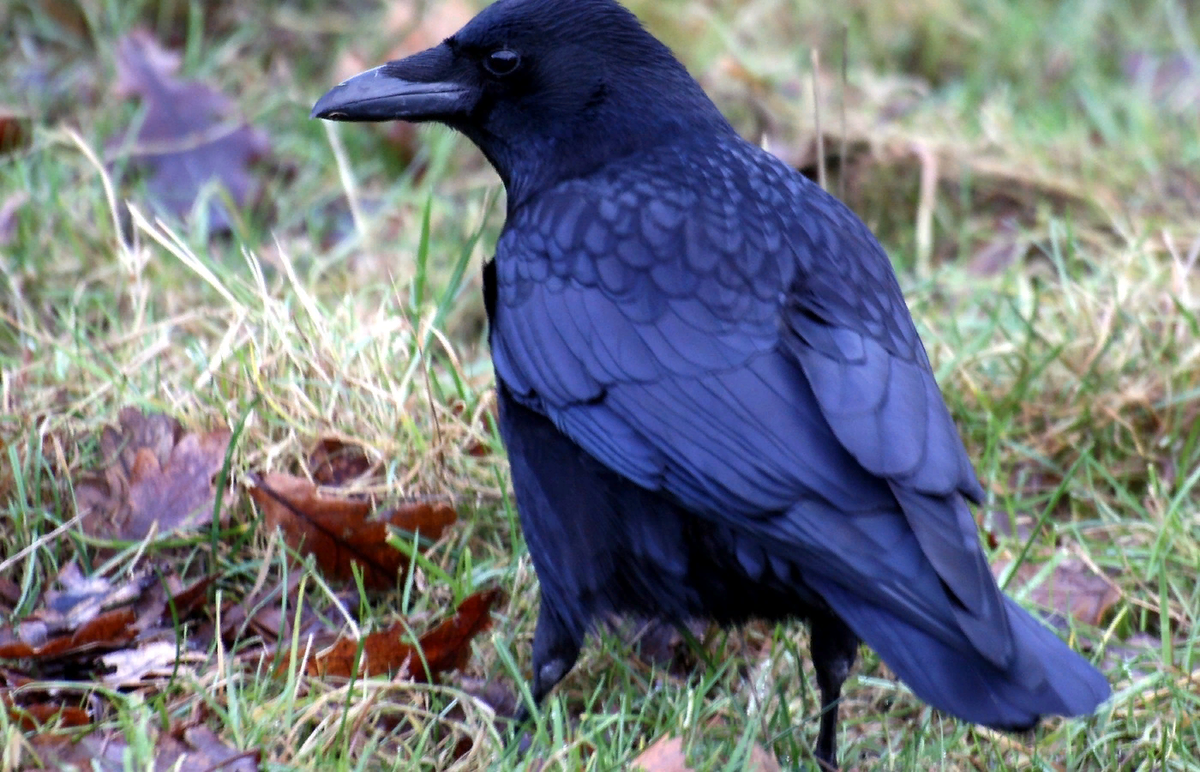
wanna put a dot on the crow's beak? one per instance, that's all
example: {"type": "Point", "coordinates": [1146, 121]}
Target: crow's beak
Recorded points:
{"type": "Point", "coordinates": [401, 90]}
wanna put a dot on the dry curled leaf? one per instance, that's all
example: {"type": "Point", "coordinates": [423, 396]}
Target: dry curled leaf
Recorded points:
{"type": "Point", "coordinates": [156, 478]}
{"type": "Point", "coordinates": [341, 533]}
{"type": "Point", "coordinates": [443, 649]}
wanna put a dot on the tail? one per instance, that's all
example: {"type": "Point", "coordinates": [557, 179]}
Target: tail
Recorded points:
{"type": "Point", "coordinates": [1045, 677]}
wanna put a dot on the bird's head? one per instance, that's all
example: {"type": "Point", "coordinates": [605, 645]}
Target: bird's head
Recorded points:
{"type": "Point", "coordinates": [548, 89]}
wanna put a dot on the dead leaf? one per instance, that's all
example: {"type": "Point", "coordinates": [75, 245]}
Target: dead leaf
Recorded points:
{"type": "Point", "coordinates": [266, 614]}
{"type": "Point", "coordinates": [106, 632]}
{"type": "Point", "coordinates": [37, 716]}
{"type": "Point", "coordinates": [667, 755]}
{"type": "Point", "coordinates": [76, 599]}
{"type": "Point", "coordinates": [87, 625]}
{"type": "Point", "coordinates": [340, 533]}
{"type": "Point", "coordinates": [33, 716]}
{"type": "Point", "coordinates": [500, 695]}
{"type": "Point", "coordinates": [100, 751]}
{"type": "Point", "coordinates": [71, 603]}
{"type": "Point", "coordinates": [185, 601]}
{"type": "Point", "coordinates": [195, 749]}
{"type": "Point", "coordinates": [127, 667]}
{"type": "Point", "coordinates": [1072, 589]}
{"type": "Point", "coordinates": [156, 478]}
{"type": "Point", "coordinates": [334, 463]}
{"type": "Point", "coordinates": [94, 629]}
{"type": "Point", "coordinates": [663, 644]}
{"type": "Point", "coordinates": [447, 646]}
{"type": "Point", "coordinates": [10, 595]}
{"type": "Point", "coordinates": [191, 136]}
{"type": "Point", "coordinates": [16, 131]}
{"type": "Point", "coordinates": [166, 602]}
{"type": "Point", "coordinates": [441, 650]}
{"type": "Point", "coordinates": [199, 748]}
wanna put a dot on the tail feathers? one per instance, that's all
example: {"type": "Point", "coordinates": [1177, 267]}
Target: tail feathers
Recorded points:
{"type": "Point", "coordinates": [1045, 678]}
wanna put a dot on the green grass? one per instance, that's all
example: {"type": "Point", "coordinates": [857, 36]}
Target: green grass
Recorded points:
{"type": "Point", "coordinates": [349, 305]}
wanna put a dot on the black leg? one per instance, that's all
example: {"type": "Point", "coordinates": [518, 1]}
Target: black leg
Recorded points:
{"type": "Point", "coordinates": [834, 649]}
{"type": "Point", "coordinates": [555, 652]}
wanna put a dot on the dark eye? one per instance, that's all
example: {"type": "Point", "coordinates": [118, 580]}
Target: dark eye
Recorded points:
{"type": "Point", "coordinates": [502, 62]}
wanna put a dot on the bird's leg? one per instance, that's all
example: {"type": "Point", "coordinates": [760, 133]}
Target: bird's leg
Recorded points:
{"type": "Point", "coordinates": [555, 651]}
{"type": "Point", "coordinates": [834, 648]}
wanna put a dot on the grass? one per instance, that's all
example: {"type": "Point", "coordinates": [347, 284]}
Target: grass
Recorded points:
{"type": "Point", "coordinates": [347, 304]}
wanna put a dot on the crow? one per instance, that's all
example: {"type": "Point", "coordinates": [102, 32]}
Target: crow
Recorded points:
{"type": "Point", "coordinates": [713, 397]}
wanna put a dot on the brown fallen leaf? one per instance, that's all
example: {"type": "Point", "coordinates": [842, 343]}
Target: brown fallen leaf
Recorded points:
{"type": "Point", "coordinates": [110, 630]}
{"type": "Point", "coordinates": [441, 650]}
{"type": "Point", "coordinates": [663, 644]}
{"type": "Point", "coordinates": [16, 131]}
{"type": "Point", "coordinates": [94, 629]}
{"type": "Point", "coordinates": [156, 478]}
{"type": "Point", "coordinates": [68, 614]}
{"type": "Point", "coordinates": [43, 714]}
{"type": "Point", "coordinates": [190, 137]}
{"type": "Point", "coordinates": [35, 716]}
{"type": "Point", "coordinates": [667, 755]}
{"type": "Point", "coordinates": [1072, 589]}
{"type": "Point", "coordinates": [340, 533]}
{"type": "Point", "coordinates": [185, 601]}
{"type": "Point", "coordinates": [334, 463]}
{"type": "Point", "coordinates": [166, 603]}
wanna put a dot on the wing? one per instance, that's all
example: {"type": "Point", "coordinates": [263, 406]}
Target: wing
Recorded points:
{"type": "Point", "coordinates": [739, 341]}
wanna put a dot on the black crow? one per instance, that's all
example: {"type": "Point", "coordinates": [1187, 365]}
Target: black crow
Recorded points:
{"type": "Point", "coordinates": [714, 399]}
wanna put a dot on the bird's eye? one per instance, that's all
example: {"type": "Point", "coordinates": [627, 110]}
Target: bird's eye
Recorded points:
{"type": "Point", "coordinates": [502, 62]}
